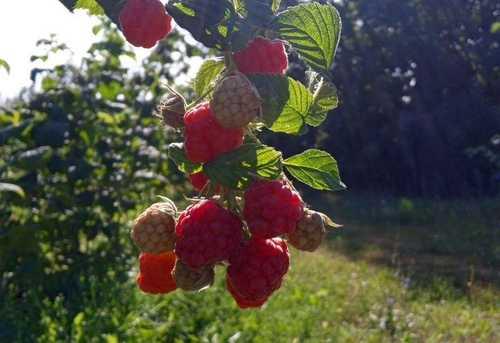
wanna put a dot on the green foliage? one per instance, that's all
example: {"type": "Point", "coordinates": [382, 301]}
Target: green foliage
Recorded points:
{"type": "Point", "coordinates": [210, 22]}
{"type": "Point", "coordinates": [9, 187]}
{"type": "Point", "coordinates": [177, 153]}
{"type": "Point", "coordinates": [316, 169]}
{"type": "Point", "coordinates": [91, 5]}
{"type": "Point", "coordinates": [83, 152]}
{"type": "Point", "coordinates": [237, 169]}
{"type": "Point", "coordinates": [286, 102]}
{"type": "Point", "coordinates": [325, 100]}
{"type": "Point", "coordinates": [314, 31]}
{"type": "Point", "coordinates": [495, 27]}
{"type": "Point", "coordinates": [206, 76]}
{"type": "Point", "coordinates": [4, 65]}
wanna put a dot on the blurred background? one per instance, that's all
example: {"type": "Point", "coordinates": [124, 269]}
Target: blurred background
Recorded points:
{"type": "Point", "coordinates": [417, 138]}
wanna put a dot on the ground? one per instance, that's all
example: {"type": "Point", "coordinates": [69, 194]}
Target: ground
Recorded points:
{"type": "Point", "coordinates": [399, 270]}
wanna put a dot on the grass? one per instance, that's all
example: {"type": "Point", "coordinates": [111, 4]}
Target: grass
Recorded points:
{"type": "Point", "coordinates": [327, 297]}
{"type": "Point", "coordinates": [400, 270]}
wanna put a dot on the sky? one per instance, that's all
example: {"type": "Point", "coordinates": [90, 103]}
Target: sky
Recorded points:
{"type": "Point", "coordinates": [23, 23]}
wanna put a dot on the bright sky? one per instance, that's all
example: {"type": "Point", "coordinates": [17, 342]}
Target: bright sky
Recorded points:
{"type": "Point", "coordinates": [23, 23]}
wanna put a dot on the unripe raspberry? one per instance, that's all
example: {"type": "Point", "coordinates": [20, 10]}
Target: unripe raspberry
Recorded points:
{"type": "Point", "coordinates": [272, 208]}
{"type": "Point", "coordinates": [192, 280]}
{"type": "Point", "coordinates": [207, 234]}
{"type": "Point", "coordinates": [172, 109]}
{"type": "Point", "coordinates": [262, 56]}
{"type": "Point", "coordinates": [199, 181]}
{"type": "Point", "coordinates": [205, 138]}
{"type": "Point", "coordinates": [154, 229]}
{"type": "Point", "coordinates": [155, 273]}
{"type": "Point", "coordinates": [144, 22]}
{"type": "Point", "coordinates": [309, 233]}
{"type": "Point", "coordinates": [235, 101]}
{"type": "Point", "coordinates": [257, 270]}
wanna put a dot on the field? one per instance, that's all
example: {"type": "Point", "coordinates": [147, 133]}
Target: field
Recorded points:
{"type": "Point", "coordinates": [399, 270]}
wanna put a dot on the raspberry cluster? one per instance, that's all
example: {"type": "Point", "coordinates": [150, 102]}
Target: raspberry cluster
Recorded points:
{"type": "Point", "coordinates": [246, 231]}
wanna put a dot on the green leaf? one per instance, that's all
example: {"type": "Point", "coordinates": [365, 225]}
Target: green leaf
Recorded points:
{"type": "Point", "coordinates": [238, 168]}
{"type": "Point", "coordinates": [314, 31]}
{"type": "Point", "coordinates": [210, 22]}
{"type": "Point", "coordinates": [206, 76]}
{"type": "Point", "coordinates": [9, 187]}
{"type": "Point", "coordinates": [325, 99]}
{"type": "Point", "coordinates": [5, 65]}
{"type": "Point", "coordinates": [178, 155]}
{"type": "Point", "coordinates": [276, 5]}
{"type": "Point", "coordinates": [495, 27]}
{"type": "Point", "coordinates": [91, 5]}
{"type": "Point", "coordinates": [33, 159]}
{"type": "Point", "coordinates": [286, 102]}
{"type": "Point", "coordinates": [259, 12]}
{"type": "Point", "coordinates": [315, 168]}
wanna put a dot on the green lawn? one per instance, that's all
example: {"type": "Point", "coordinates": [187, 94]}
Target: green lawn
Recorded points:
{"type": "Point", "coordinates": [384, 276]}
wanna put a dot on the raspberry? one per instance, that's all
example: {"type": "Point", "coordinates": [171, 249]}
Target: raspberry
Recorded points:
{"type": "Point", "coordinates": [144, 22]}
{"type": "Point", "coordinates": [242, 302]}
{"type": "Point", "coordinates": [192, 280]}
{"type": "Point", "coordinates": [272, 208]}
{"type": "Point", "coordinates": [235, 102]}
{"type": "Point", "coordinates": [205, 139]}
{"type": "Point", "coordinates": [262, 56]}
{"type": "Point", "coordinates": [199, 181]}
{"type": "Point", "coordinates": [154, 229]}
{"type": "Point", "coordinates": [309, 232]}
{"type": "Point", "coordinates": [155, 273]}
{"type": "Point", "coordinates": [257, 270]}
{"type": "Point", "coordinates": [207, 234]}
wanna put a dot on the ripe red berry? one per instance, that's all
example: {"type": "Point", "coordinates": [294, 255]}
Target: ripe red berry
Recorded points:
{"type": "Point", "coordinates": [262, 56]}
{"type": "Point", "coordinates": [155, 273]}
{"type": "Point", "coordinates": [240, 300]}
{"type": "Point", "coordinates": [207, 234]}
{"type": "Point", "coordinates": [199, 181]}
{"type": "Point", "coordinates": [145, 22]}
{"type": "Point", "coordinates": [272, 208]}
{"type": "Point", "coordinates": [256, 270]}
{"type": "Point", "coordinates": [205, 138]}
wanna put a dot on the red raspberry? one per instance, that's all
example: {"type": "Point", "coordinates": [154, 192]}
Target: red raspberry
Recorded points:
{"type": "Point", "coordinates": [207, 234]}
{"type": "Point", "coordinates": [262, 56]}
{"type": "Point", "coordinates": [242, 302]}
{"type": "Point", "coordinates": [155, 273]}
{"type": "Point", "coordinates": [257, 270]}
{"type": "Point", "coordinates": [199, 181]}
{"type": "Point", "coordinates": [272, 208]}
{"type": "Point", "coordinates": [145, 22]}
{"type": "Point", "coordinates": [205, 138]}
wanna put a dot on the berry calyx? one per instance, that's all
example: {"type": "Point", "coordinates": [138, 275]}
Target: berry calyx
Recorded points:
{"type": "Point", "coordinates": [144, 22]}
{"type": "Point", "coordinates": [154, 230]}
{"type": "Point", "coordinates": [172, 109]}
{"type": "Point", "coordinates": [155, 273]}
{"type": "Point", "coordinates": [256, 270]}
{"type": "Point", "coordinates": [262, 56]}
{"type": "Point", "coordinates": [235, 101]}
{"type": "Point", "coordinates": [207, 234]}
{"type": "Point", "coordinates": [272, 208]}
{"type": "Point", "coordinates": [205, 139]}
{"type": "Point", "coordinates": [309, 233]}
{"type": "Point", "coordinates": [192, 280]}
